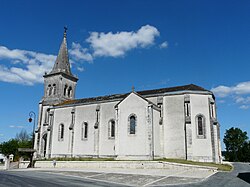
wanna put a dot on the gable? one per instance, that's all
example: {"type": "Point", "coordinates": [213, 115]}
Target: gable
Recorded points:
{"type": "Point", "coordinates": [133, 99]}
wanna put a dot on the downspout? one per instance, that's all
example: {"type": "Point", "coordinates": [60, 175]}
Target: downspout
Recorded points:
{"type": "Point", "coordinates": [152, 121]}
{"type": "Point", "coordinates": [185, 131]}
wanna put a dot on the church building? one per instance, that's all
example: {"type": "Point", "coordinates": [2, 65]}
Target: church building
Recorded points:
{"type": "Point", "coordinates": [175, 122]}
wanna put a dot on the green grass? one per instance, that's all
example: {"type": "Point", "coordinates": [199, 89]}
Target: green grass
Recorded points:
{"type": "Point", "coordinates": [221, 167]}
{"type": "Point", "coordinates": [78, 159]}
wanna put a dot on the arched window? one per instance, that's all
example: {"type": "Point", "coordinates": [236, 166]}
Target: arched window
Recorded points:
{"type": "Point", "coordinates": [65, 90]}
{"type": "Point", "coordinates": [84, 130]}
{"type": "Point", "coordinates": [61, 132]}
{"type": "Point", "coordinates": [200, 123]}
{"type": "Point", "coordinates": [111, 128]}
{"type": "Point", "coordinates": [132, 124]}
{"type": "Point", "coordinates": [69, 91]}
{"type": "Point", "coordinates": [48, 90]}
{"type": "Point", "coordinates": [54, 89]}
{"type": "Point", "coordinates": [200, 128]}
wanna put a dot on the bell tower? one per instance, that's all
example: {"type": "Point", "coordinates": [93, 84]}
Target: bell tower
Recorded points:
{"type": "Point", "coordinates": [60, 83]}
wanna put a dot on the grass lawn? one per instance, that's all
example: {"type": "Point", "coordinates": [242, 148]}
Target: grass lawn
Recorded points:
{"type": "Point", "coordinates": [78, 159]}
{"type": "Point", "coordinates": [221, 167]}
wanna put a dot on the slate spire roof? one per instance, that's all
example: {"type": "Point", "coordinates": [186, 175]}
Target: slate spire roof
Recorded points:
{"type": "Point", "coordinates": [62, 60]}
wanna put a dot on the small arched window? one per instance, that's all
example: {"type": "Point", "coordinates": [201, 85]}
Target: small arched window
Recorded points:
{"type": "Point", "coordinates": [54, 89]}
{"type": "Point", "coordinates": [84, 130]}
{"type": "Point", "coordinates": [61, 132]}
{"type": "Point", "coordinates": [132, 124]}
{"type": "Point", "coordinates": [200, 123]}
{"type": "Point", "coordinates": [69, 91]}
{"type": "Point", "coordinates": [48, 90]}
{"type": "Point", "coordinates": [111, 128]}
{"type": "Point", "coordinates": [65, 90]}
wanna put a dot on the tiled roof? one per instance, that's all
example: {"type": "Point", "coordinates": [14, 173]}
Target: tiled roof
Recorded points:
{"type": "Point", "coordinates": [190, 87]}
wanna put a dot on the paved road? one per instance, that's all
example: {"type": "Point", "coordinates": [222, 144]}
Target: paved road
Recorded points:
{"type": "Point", "coordinates": [44, 179]}
{"type": "Point", "coordinates": [240, 177]}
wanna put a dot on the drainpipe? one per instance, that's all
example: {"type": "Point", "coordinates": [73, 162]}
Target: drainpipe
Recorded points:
{"type": "Point", "coordinates": [185, 131]}
{"type": "Point", "coordinates": [152, 121]}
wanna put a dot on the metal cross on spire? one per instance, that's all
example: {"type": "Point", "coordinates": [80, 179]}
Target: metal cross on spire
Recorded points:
{"type": "Point", "coordinates": [65, 31]}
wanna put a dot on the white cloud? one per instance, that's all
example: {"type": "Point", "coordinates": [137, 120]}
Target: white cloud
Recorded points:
{"type": "Point", "coordinates": [221, 91]}
{"type": "Point", "coordinates": [16, 126]}
{"type": "Point", "coordinates": [117, 44]}
{"type": "Point", "coordinates": [164, 45]}
{"type": "Point", "coordinates": [244, 107]}
{"type": "Point", "coordinates": [239, 89]}
{"type": "Point", "coordinates": [239, 93]}
{"type": "Point", "coordinates": [242, 100]}
{"type": "Point", "coordinates": [81, 69]}
{"type": "Point", "coordinates": [79, 53]}
{"type": "Point", "coordinates": [28, 67]}
{"type": "Point", "coordinates": [221, 101]}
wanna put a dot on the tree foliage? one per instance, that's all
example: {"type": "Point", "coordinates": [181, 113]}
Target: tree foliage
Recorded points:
{"type": "Point", "coordinates": [237, 146]}
{"type": "Point", "coordinates": [9, 147]}
{"type": "Point", "coordinates": [22, 140]}
{"type": "Point", "coordinates": [22, 136]}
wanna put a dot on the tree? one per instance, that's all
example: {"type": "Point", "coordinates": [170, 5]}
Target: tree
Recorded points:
{"type": "Point", "coordinates": [245, 152]}
{"type": "Point", "coordinates": [22, 140]}
{"type": "Point", "coordinates": [9, 147]}
{"type": "Point", "coordinates": [236, 142]}
{"type": "Point", "coordinates": [22, 136]}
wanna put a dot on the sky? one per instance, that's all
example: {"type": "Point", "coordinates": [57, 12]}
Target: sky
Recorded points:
{"type": "Point", "coordinates": [114, 45]}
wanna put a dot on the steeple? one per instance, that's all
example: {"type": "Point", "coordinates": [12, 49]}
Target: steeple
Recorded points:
{"type": "Point", "coordinates": [60, 83]}
{"type": "Point", "coordinates": [62, 60]}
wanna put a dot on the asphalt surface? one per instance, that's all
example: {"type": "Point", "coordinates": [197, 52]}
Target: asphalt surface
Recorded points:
{"type": "Point", "coordinates": [34, 178]}
{"type": "Point", "coordinates": [239, 177]}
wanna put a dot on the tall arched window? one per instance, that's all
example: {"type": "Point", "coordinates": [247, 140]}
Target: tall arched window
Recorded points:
{"type": "Point", "coordinates": [48, 90]}
{"type": "Point", "coordinates": [65, 90]}
{"type": "Point", "coordinates": [111, 128]}
{"type": "Point", "coordinates": [84, 130]}
{"type": "Point", "coordinates": [200, 126]}
{"type": "Point", "coordinates": [61, 132]}
{"type": "Point", "coordinates": [54, 89]}
{"type": "Point", "coordinates": [69, 91]}
{"type": "Point", "coordinates": [132, 124]}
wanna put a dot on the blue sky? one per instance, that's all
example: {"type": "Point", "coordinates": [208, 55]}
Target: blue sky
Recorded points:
{"type": "Point", "coordinates": [114, 45]}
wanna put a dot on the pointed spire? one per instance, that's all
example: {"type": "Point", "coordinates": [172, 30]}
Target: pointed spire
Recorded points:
{"type": "Point", "coordinates": [65, 32]}
{"type": "Point", "coordinates": [62, 60]}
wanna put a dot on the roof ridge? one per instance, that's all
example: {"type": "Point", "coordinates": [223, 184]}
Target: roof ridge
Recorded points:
{"type": "Point", "coordinates": [144, 92]}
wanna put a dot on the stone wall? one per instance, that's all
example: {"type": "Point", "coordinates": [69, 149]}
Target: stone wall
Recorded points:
{"type": "Point", "coordinates": [122, 165]}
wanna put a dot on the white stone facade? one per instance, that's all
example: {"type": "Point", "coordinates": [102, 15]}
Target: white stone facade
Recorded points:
{"type": "Point", "coordinates": [178, 122]}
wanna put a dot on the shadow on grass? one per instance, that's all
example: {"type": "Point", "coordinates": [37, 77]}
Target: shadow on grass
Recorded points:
{"type": "Point", "coordinates": [244, 176]}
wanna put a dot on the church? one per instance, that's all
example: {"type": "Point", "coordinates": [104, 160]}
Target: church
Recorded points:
{"type": "Point", "coordinates": [175, 122]}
